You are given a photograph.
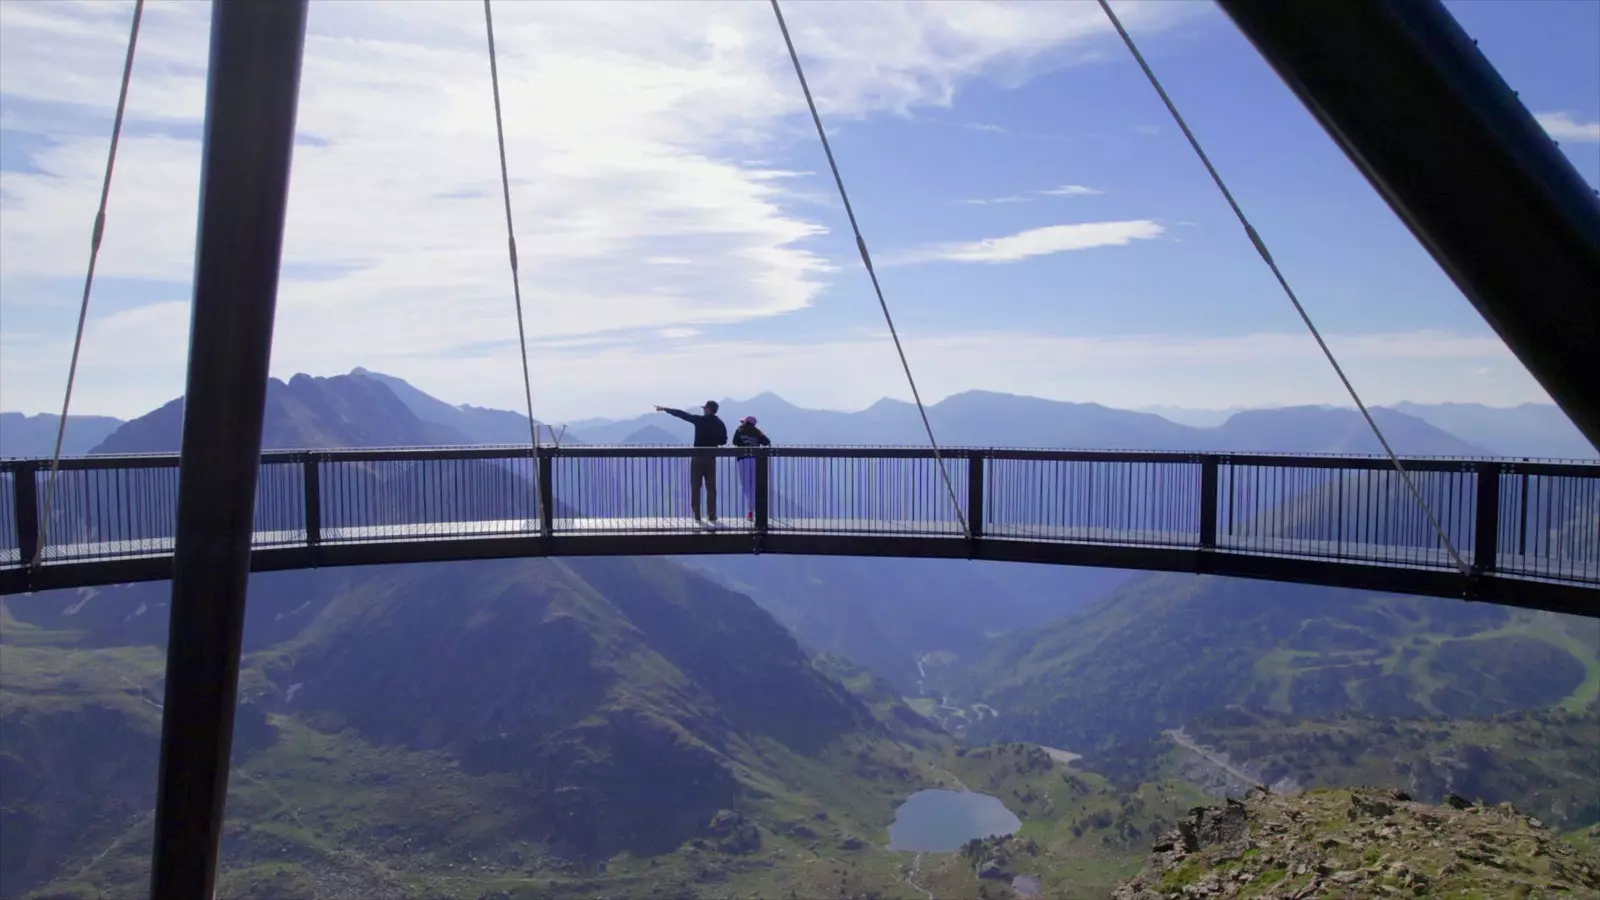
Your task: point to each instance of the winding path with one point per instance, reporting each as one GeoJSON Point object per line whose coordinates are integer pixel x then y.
{"type": "Point", "coordinates": [1183, 740]}
{"type": "Point", "coordinates": [916, 866]}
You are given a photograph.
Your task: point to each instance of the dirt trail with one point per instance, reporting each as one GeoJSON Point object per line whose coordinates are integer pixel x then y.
{"type": "Point", "coordinates": [1183, 740]}
{"type": "Point", "coordinates": [911, 877]}
{"type": "Point", "coordinates": [951, 775]}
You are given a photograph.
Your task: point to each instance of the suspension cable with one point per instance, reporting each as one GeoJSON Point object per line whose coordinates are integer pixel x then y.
{"type": "Point", "coordinates": [1266, 256]}
{"type": "Point", "coordinates": [866, 260]}
{"type": "Point", "coordinates": [88, 283]}
{"type": "Point", "coordinates": [511, 234]}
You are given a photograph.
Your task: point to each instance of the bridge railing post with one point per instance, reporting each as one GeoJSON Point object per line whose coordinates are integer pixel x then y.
{"type": "Point", "coordinates": [25, 502]}
{"type": "Point", "coordinates": [1486, 519]}
{"type": "Point", "coordinates": [545, 460]}
{"type": "Point", "coordinates": [975, 494]}
{"type": "Point", "coordinates": [1210, 487]}
{"type": "Point", "coordinates": [763, 489]}
{"type": "Point", "coordinates": [311, 479]}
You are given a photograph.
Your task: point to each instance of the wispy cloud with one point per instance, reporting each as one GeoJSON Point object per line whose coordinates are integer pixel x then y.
{"type": "Point", "coordinates": [134, 362]}
{"type": "Point", "coordinates": [1072, 190]}
{"type": "Point", "coordinates": [658, 159]}
{"type": "Point", "coordinates": [1066, 190]}
{"type": "Point", "coordinates": [992, 201]}
{"type": "Point", "coordinates": [1035, 242]}
{"type": "Point", "coordinates": [1563, 127]}
{"type": "Point", "coordinates": [984, 126]}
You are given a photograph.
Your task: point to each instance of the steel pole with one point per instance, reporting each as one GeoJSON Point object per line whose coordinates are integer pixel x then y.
{"type": "Point", "coordinates": [251, 95]}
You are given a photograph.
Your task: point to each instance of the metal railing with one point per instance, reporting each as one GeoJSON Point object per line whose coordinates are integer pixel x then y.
{"type": "Point", "coordinates": [1520, 519]}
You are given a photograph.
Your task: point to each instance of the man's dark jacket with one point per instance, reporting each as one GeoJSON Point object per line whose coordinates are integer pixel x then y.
{"type": "Point", "coordinates": [708, 429]}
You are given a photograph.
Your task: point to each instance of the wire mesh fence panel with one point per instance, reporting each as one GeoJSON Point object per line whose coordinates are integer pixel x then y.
{"type": "Point", "coordinates": [863, 493]}
{"type": "Point", "coordinates": [10, 538]}
{"type": "Point", "coordinates": [1134, 502]}
{"type": "Point", "coordinates": [107, 513]}
{"type": "Point", "coordinates": [1365, 514]}
{"type": "Point", "coordinates": [1549, 526]}
{"type": "Point", "coordinates": [431, 497]}
{"type": "Point", "coordinates": [280, 513]}
{"type": "Point", "coordinates": [655, 491]}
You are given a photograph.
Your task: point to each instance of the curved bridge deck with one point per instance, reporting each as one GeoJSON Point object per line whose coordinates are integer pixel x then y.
{"type": "Point", "coordinates": [1530, 531]}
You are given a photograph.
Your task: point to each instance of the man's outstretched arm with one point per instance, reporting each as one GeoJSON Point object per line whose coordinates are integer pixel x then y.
{"type": "Point", "coordinates": [687, 417]}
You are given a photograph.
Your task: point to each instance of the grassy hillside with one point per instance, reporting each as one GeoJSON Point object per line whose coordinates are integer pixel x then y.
{"type": "Point", "coordinates": [1545, 761]}
{"type": "Point", "coordinates": [437, 726]}
{"type": "Point", "coordinates": [1166, 648]}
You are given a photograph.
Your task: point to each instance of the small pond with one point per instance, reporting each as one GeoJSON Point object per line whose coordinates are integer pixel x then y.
{"type": "Point", "coordinates": [941, 821]}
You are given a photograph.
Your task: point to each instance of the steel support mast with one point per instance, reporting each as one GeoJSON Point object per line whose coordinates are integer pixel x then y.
{"type": "Point", "coordinates": [251, 97]}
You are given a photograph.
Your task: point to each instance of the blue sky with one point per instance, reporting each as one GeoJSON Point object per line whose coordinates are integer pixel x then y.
{"type": "Point", "coordinates": [1041, 226]}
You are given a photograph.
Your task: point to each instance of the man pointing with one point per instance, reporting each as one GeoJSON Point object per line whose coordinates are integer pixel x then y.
{"type": "Point", "coordinates": [708, 432]}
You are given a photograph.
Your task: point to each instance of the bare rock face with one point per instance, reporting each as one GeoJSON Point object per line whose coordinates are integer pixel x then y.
{"type": "Point", "coordinates": [735, 833]}
{"type": "Point", "coordinates": [1360, 843]}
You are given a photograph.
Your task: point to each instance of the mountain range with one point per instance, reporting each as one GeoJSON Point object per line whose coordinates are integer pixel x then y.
{"type": "Point", "coordinates": [985, 419]}
{"type": "Point", "coordinates": [574, 709]}
{"type": "Point", "coordinates": [745, 725]}
{"type": "Point", "coordinates": [1527, 430]}
{"type": "Point", "coordinates": [35, 436]}
{"type": "Point", "coordinates": [1531, 429]}
{"type": "Point", "coordinates": [883, 614]}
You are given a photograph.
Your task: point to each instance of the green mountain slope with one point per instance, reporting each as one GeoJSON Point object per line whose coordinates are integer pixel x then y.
{"type": "Point", "coordinates": [427, 717]}
{"type": "Point", "coordinates": [1545, 761]}
{"type": "Point", "coordinates": [1165, 648]}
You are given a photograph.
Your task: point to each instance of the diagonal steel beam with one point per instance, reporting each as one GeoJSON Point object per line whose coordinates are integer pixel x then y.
{"type": "Point", "coordinates": [1424, 115]}
{"type": "Point", "coordinates": [251, 97]}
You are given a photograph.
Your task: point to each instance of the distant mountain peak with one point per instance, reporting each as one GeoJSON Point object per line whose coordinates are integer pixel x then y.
{"type": "Point", "coordinates": [768, 398]}
{"type": "Point", "coordinates": [886, 403]}
{"type": "Point", "coordinates": [651, 435]}
{"type": "Point", "coordinates": [306, 412]}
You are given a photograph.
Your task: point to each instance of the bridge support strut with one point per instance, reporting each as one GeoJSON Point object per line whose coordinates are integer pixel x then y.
{"type": "Point", "coordinates": [1405, 92]}
{"type": "Point", "coordinates": [251, 96]}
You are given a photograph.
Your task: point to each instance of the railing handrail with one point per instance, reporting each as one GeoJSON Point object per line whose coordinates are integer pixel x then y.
{"type": "Point", "coordinates": [1505, 464]}
{"type": "Point", "coordinates": [1205, 510]}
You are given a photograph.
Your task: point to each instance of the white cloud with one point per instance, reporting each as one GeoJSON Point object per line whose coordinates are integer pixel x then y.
{"type": "Point", "coordinates": [1066, 190]}
{"type": "Point", "coordinates": [1072, 190]}
{"type": "Point", "coordinates": [993, 201]}
{"type": "Point", "coordinates": [1035, 242]}
{"type": "Point", "coordinates": [1563, 127]}
{"type": "Point", "coordinates": [984, 126]}
{"type": "Point", "coordinates": [134, 359]}
{"type": "Point", "coordinates": [395, 242]}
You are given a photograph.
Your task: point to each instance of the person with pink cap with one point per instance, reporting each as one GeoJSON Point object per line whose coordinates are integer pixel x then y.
{"type": "Point", "coordinates": [748, 435]}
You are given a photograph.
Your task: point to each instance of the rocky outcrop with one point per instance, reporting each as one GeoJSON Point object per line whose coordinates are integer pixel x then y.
{"type": "Point", "coordinates": [1360, 843]}
{"type": "Point", "coordinates": [735, 833]}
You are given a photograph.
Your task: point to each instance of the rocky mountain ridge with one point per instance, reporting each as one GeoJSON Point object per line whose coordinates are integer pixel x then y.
{"type": "Point", "coordinates": [1362, 843]}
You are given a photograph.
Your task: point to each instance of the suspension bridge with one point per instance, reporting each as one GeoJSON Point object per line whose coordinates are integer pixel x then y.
{"type": "Point", "coordinates": [1419, 110]}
